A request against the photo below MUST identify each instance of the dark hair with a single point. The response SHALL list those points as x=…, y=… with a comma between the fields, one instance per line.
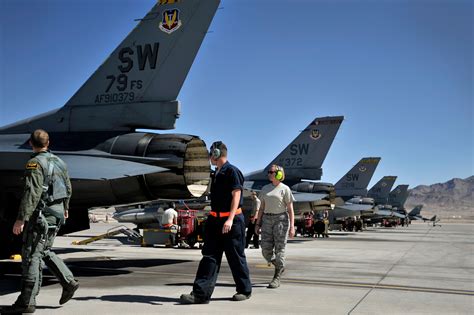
x=172, y=205
x=39, y=138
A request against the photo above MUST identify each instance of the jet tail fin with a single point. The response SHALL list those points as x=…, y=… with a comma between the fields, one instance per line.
x=137, y=85
x=416, y=211
x=381, y=189
x=304, y=156
x=355, y=182
x=398, y=196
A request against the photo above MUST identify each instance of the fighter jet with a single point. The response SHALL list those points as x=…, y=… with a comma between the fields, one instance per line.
x=381, y=190
x=355, y=182
x=95, y=131
x=380, y=193
x=302, y=160
x=415, y=214
x=398, y=197
x=351, y=189
x=304, y=156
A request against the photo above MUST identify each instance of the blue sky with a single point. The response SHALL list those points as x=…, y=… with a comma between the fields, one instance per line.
x=399, y=71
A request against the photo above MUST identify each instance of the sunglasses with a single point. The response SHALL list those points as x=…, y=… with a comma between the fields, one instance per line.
x=271, y=172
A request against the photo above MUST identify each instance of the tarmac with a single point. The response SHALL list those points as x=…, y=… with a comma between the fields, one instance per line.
x=418, y=269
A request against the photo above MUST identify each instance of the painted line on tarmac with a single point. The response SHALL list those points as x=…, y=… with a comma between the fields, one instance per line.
x=301, y=281
x=379, y=286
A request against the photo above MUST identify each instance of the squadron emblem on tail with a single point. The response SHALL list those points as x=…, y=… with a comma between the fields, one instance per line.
x=170, y=21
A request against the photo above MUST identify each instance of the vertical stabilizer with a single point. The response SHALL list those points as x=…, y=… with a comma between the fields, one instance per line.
x=138, y=84
x=415, y=211
x=305, y=155
x=398, y=196
x=381, y=189
x=355, y=182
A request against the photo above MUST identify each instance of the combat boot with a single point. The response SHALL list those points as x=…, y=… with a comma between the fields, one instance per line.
x=18, y=309
x=275, y=283
x=192, y=299
x=68, y=291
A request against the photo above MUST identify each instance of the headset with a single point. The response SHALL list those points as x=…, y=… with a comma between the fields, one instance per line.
x=215, y=151
x=279, y=173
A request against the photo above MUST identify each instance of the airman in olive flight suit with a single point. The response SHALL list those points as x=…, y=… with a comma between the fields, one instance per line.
x=43, y=209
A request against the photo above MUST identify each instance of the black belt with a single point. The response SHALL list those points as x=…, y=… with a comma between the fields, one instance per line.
x=274, y=213
x=55, y=202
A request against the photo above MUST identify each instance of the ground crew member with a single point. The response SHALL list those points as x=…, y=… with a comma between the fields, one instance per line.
x=224, y=232
x=170, y=219
x=253, y=218
x=43, y=208
x=276, y=221
x=170, y=216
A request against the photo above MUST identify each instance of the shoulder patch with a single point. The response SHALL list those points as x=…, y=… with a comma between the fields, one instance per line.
x=32, y=166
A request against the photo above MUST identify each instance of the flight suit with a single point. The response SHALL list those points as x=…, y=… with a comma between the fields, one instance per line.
x=43, y=217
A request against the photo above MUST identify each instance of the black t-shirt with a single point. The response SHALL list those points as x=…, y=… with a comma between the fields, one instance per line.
x=223, y=183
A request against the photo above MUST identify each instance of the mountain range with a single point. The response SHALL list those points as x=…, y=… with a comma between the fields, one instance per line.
x=452, y=199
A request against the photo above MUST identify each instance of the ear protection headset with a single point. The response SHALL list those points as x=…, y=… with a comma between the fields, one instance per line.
x=278, y=172
x=215, y=150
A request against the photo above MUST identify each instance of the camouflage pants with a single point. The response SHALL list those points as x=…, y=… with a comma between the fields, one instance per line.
x=37, y=242
x=274, y=236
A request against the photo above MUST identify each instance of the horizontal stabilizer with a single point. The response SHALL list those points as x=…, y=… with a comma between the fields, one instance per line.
x=79, y=167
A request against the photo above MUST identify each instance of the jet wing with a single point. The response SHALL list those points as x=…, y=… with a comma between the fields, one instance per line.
x=99, y=168
x=308, y=197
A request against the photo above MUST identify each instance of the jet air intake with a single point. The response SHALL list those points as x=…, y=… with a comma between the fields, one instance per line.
x=184, y=156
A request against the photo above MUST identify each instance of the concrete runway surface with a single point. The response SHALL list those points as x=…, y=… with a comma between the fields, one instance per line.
x=418, y=269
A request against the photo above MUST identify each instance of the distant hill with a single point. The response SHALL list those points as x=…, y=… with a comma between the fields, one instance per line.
x=451, y=199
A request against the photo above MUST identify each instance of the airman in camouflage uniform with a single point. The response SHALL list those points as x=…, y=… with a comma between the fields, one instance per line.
x=43, y=209
x=275, y=221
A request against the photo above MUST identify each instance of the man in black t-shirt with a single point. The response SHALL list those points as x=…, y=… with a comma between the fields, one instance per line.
x=224, y=233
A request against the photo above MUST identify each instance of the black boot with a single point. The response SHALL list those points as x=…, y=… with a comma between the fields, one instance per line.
x=68, y=291
x=192, y=299
x=18, y=309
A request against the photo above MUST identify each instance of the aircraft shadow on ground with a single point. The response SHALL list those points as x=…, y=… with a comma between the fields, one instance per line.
x=11, y=271
x=11, y=283
x=101, y=268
